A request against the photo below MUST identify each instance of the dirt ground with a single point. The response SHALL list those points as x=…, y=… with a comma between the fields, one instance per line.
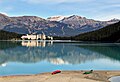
x=64, y=76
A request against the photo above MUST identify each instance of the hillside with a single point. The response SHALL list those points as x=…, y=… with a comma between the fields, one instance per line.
x=53, y=26
x=4, y=35
x=110, y=33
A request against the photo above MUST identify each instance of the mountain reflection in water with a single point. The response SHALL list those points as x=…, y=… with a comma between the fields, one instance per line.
x=55, y=52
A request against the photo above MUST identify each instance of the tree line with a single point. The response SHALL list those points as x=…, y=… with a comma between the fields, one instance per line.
x=110, y=33
x=4, y=35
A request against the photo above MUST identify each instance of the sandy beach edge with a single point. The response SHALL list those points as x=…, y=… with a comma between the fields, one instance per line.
x=64, y=76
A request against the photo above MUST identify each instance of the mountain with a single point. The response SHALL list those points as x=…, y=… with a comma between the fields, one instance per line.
x=56, y=18
x=33, y=24
x=53, y=26
x=82, y=22
x=4, y=20
x=109, y=33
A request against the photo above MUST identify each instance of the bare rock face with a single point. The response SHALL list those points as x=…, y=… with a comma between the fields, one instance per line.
x=4, y=20
x=78, y=22
x=53, y=26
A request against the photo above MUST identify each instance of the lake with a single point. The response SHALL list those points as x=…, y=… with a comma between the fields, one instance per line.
x=33, y=57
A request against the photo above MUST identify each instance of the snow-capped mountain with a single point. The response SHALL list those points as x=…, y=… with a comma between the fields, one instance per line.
x=78, y=22
x=53, y=26
x=56, y=18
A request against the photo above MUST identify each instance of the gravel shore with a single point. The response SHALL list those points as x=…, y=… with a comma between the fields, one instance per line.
x=64, y=76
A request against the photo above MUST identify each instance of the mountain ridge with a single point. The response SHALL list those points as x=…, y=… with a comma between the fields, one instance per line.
x=68, y=26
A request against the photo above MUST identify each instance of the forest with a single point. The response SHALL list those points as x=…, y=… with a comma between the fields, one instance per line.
x=4, y=35
x=110, y=33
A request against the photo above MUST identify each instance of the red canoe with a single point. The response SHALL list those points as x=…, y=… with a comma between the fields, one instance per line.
x=55, y=72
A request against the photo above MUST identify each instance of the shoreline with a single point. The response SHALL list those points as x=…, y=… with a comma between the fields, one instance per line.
x=64, y=76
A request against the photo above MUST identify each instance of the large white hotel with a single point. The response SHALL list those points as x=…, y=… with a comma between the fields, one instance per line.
x=36, y=37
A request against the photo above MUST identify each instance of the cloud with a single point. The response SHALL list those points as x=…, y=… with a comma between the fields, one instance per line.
x=109, y=16
x=117, y=16
x=53, y=1
x=110, y=6
x=8, y=8
x=112, y=1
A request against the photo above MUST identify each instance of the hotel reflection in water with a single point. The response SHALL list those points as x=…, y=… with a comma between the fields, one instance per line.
x=34, y=43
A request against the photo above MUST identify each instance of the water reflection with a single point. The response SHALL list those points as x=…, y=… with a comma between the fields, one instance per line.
x=55, y=53
x=110, y=50
x=34, y=43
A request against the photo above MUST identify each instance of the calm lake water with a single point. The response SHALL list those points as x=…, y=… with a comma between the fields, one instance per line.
x=32, y=57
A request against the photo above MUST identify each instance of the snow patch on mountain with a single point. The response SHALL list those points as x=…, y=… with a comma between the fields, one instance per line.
x=56, y=18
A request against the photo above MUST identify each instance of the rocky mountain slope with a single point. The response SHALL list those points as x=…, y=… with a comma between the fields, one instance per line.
x=80, y=22
x=58, y=26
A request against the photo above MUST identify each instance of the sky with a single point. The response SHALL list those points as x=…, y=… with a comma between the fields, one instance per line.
x=93, y=9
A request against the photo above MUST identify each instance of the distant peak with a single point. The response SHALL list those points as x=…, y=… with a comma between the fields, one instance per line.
x=114, y=20
x=56, y=18
x=76, y=16
x=2, y=14
x=28, y=17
